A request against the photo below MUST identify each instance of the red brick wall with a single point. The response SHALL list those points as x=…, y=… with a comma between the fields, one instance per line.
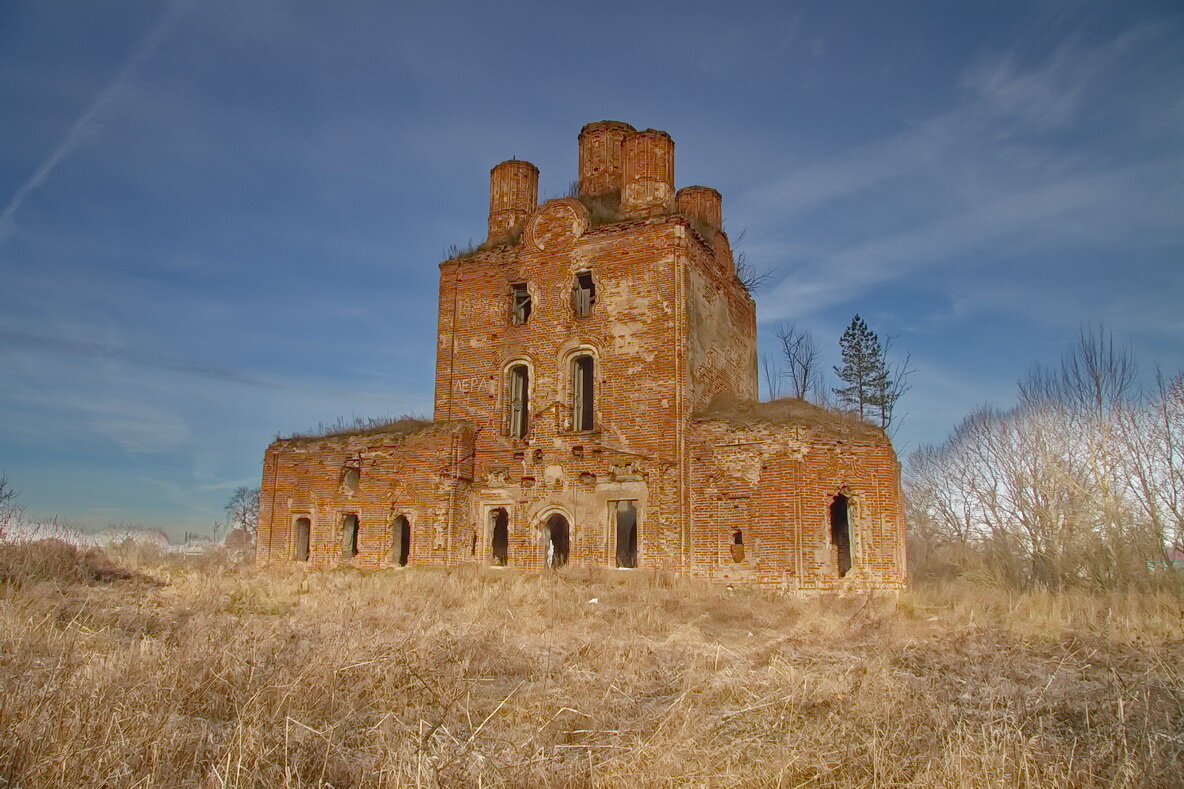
x=670, y=329
x=776, y=483
x=424, y=476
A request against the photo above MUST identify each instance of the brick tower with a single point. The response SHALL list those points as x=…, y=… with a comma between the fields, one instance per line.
x=595, y=404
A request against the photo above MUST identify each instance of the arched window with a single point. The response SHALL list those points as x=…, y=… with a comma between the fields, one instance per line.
x=518, y=401
x=401, y=540
x=840, y=532
x=583, y=376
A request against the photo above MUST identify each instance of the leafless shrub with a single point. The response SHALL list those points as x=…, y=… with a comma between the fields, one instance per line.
x=1075, y=486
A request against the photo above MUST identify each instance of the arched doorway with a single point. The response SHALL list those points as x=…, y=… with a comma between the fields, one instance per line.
x=499, y=536
x=626, y=534
x=840, y=532
x=303, y=529
x=401, y=539
x=558, y=541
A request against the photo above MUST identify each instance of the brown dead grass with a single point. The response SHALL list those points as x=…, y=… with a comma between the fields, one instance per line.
x=477, y=677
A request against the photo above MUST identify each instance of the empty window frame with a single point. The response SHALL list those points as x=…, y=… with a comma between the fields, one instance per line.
x=499, y=536
x=401, y=540
x=583, y=294
x=583, y=376
x=349, y=536
x=626, y=532
x=840, y=533
x=301, y=539
x=737, y=546
x=519, y=303
x=518, y=401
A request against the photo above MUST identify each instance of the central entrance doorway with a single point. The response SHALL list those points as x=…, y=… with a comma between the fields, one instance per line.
x=557, y=536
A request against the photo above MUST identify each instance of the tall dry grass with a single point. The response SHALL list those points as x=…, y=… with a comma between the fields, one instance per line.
x=229, y=676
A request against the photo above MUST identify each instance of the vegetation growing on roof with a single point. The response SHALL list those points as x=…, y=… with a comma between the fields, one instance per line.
x=785, y=411
x=402, y=425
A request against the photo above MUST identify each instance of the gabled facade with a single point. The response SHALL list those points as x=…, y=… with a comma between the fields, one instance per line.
x=595, y=379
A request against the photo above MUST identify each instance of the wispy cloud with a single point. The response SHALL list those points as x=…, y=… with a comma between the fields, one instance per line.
x=91, y=121
x=95, y=350
x=981, y=169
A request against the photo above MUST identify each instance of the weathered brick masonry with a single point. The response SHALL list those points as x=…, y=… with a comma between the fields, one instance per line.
x=594, y=404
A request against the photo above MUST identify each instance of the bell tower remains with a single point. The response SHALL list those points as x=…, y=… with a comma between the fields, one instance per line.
x=595, y=403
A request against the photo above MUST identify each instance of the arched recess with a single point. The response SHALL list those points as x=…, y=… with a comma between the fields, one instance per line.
x=499, y=536
x=302, y=538
x=400, y=540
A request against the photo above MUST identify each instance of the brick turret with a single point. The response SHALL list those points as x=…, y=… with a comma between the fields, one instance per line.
x=647, y=174
x=513, y=194
x=701, y=204
x=600, y=157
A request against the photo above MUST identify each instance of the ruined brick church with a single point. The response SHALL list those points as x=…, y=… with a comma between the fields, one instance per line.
x=595, y=404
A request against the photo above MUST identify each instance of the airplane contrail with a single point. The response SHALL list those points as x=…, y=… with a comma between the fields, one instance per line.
x=91, y=118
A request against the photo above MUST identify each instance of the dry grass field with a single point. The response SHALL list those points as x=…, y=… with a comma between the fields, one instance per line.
x=152, y=671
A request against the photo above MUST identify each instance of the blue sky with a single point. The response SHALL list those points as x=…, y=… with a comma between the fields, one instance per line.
x=221, y=219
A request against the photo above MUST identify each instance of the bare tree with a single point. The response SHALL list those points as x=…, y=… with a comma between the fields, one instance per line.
x=799, y=350
x=242, y=510
x=8, y=509
x=746, y=273
x=1080, y=483
x=894, y=385
x=773, y=375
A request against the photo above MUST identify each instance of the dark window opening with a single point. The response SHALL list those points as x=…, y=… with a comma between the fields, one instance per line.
x=520, y=304
x=582, y=385
x=401, y=539
x=583, y=294
x=349, y=536
x=840, y=532
x=519, y=400
x=558, y=536
x=737, y=546
x=626, y=534
x=351, y=477
x=500, y=537
x=303, y=530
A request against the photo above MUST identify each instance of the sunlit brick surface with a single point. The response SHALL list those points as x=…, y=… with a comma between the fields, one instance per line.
x=670, y=331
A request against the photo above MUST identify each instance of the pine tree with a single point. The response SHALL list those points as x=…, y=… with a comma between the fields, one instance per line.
x=864, y=372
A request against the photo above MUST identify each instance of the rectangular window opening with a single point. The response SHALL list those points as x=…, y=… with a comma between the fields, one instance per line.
x=583, y=294
x=520, y=304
